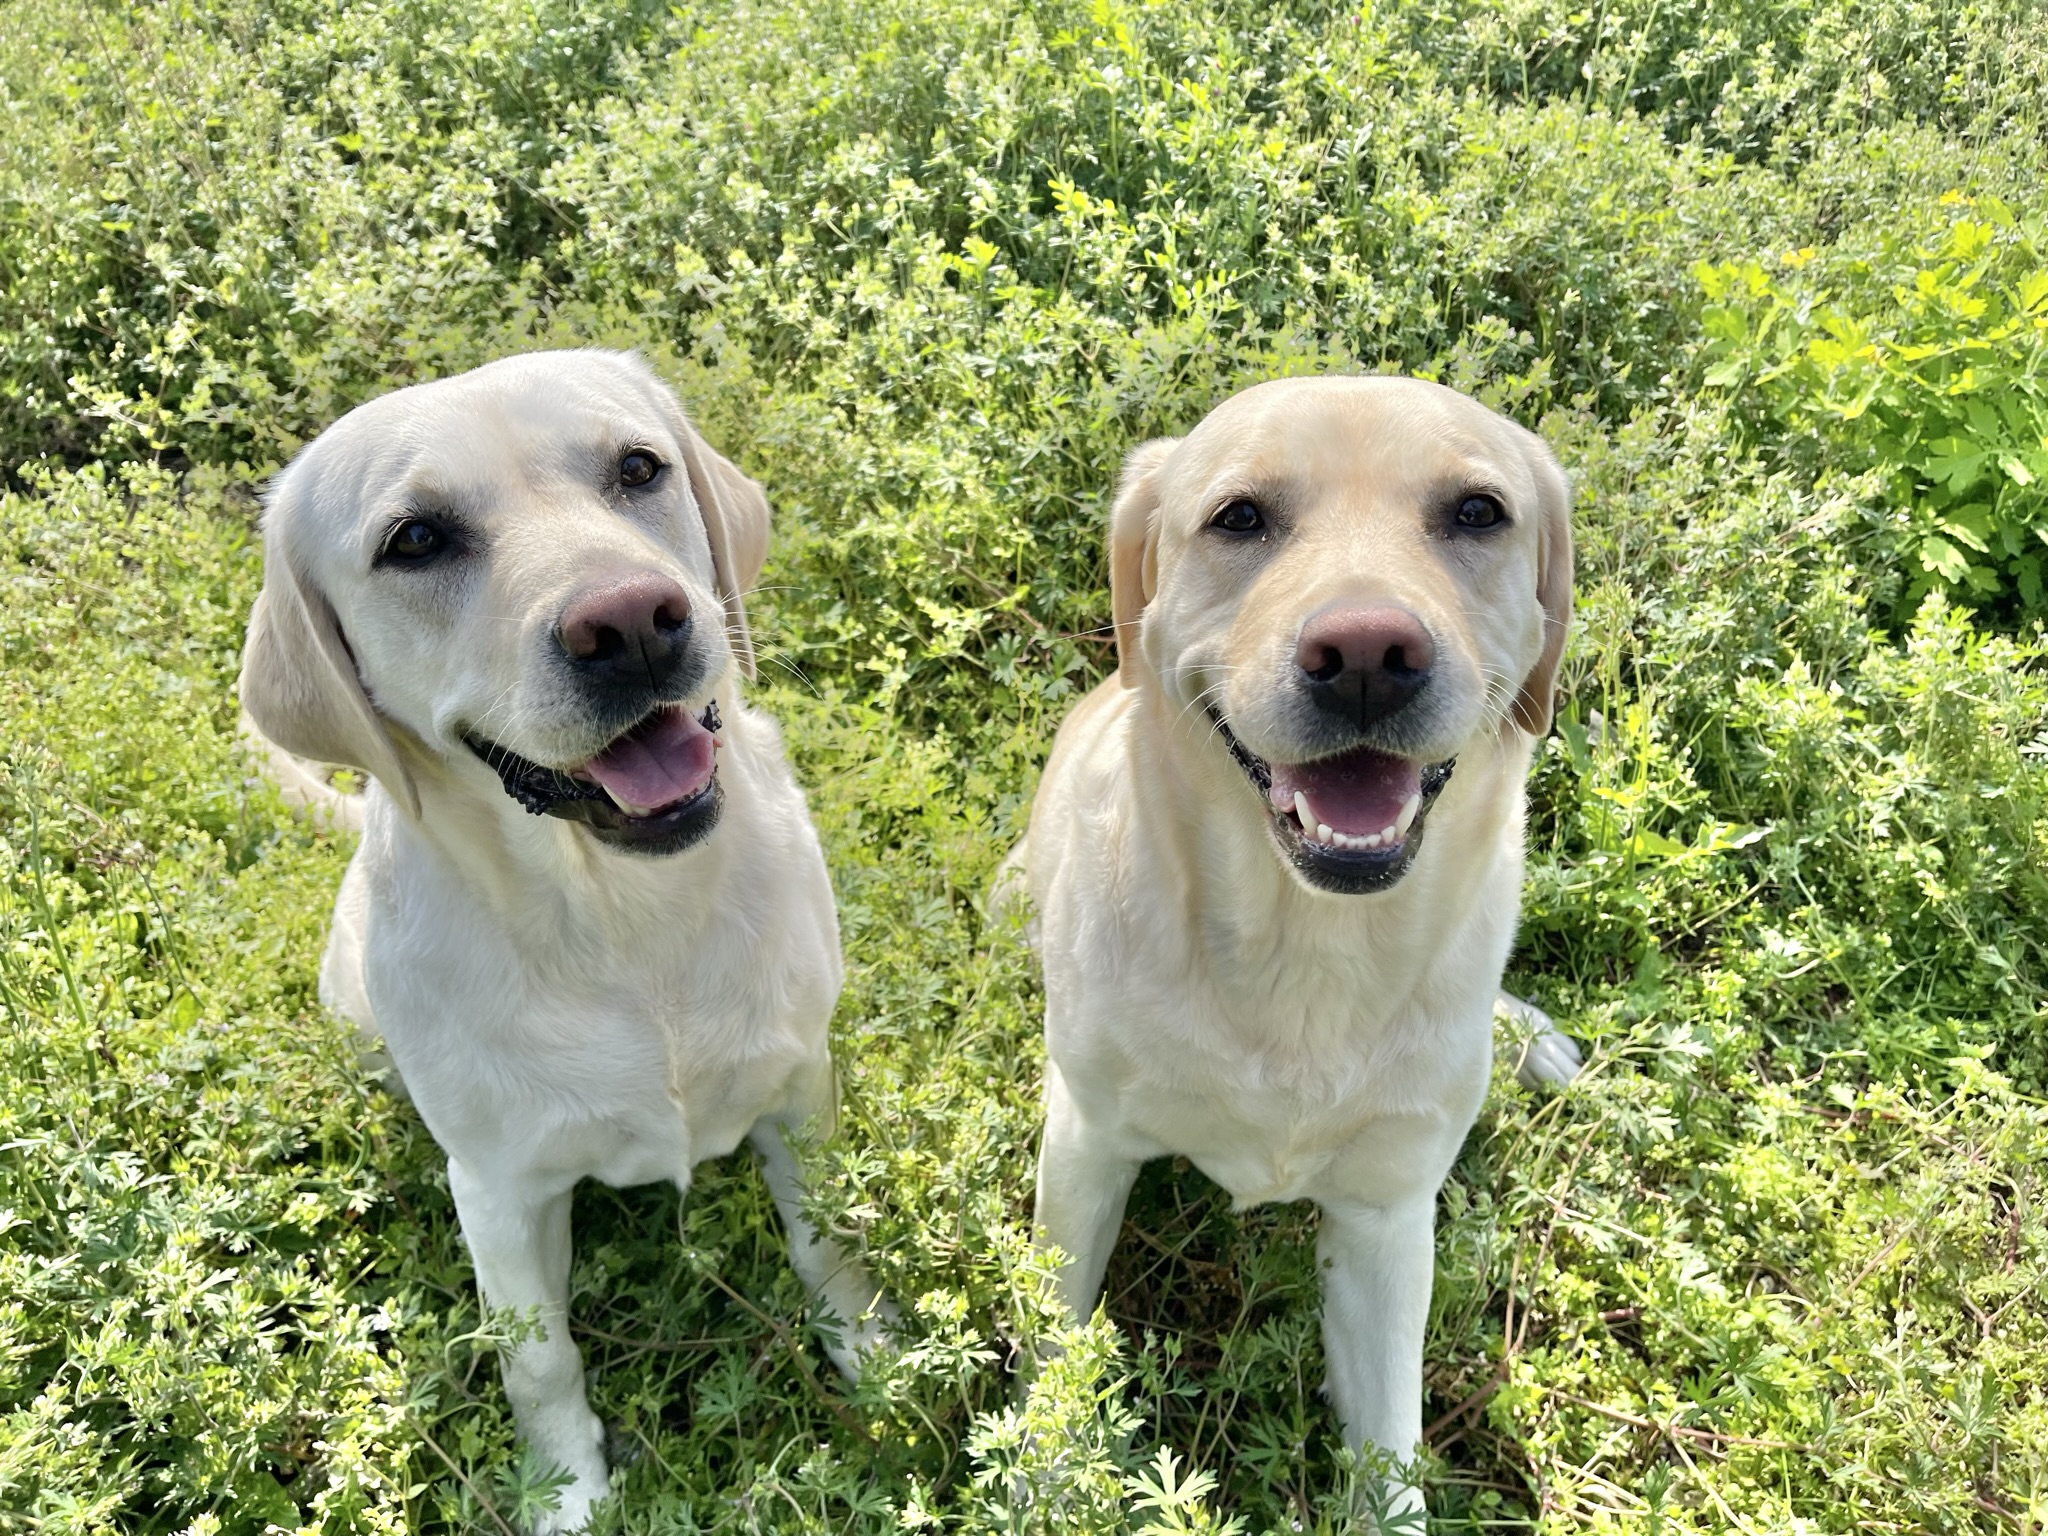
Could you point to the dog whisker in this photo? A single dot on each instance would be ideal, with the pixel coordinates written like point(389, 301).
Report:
point(795, 671)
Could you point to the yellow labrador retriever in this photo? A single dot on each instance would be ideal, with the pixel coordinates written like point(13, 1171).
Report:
point(1277, 858)
point(589, 916)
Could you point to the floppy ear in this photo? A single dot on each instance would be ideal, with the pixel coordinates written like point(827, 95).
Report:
point(300, 685)
point(1533, 706)
point(1134, 549)
point(736, 522)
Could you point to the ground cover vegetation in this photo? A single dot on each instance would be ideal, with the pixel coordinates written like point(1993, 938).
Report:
point(1770, 274)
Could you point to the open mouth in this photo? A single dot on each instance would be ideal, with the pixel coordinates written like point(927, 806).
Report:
point(653, 790)
point(1351, 822)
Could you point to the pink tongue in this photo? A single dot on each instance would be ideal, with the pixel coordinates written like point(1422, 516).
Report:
point(666, 760)
point(1359, 793)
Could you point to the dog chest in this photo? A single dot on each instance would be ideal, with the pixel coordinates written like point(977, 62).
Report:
point(1273, 1106)
point(1265, 1142)
point(628, 1064)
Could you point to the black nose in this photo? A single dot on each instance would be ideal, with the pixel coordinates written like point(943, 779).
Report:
point(628, 631)
point(1364, 663)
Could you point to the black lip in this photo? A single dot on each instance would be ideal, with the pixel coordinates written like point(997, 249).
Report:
point(544, 791)
point(1342, 871)
point(670, 830)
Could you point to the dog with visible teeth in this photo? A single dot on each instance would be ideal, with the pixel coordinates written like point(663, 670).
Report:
point(589, 916)
point(1277, 858)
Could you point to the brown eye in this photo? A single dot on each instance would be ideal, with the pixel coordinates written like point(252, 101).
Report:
point(415, 540)
point(1241, 516)
point(639, 467)
point(1480, 512)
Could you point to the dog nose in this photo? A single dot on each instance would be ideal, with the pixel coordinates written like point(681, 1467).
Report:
point(630, 630)
point(1364, 663)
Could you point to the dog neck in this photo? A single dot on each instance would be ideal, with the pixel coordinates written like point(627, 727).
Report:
point(548, 877)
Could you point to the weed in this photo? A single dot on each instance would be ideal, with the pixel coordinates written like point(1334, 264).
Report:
point(929, 268)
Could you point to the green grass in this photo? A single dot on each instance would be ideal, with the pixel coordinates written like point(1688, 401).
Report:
point(928, 267)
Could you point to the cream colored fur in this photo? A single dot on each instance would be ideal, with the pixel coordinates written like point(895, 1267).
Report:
point(557, 1009)
point(1202, 1000)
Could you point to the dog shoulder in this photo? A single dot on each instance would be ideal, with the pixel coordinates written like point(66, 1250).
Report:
point(1083, 774)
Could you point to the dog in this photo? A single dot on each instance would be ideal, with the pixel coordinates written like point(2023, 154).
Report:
point(1276, 858)
point(589, 917)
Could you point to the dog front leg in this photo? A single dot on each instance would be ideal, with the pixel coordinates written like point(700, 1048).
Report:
point(518, 1239)
point(1083, 1182)
point(1378, 1264)
point(839, 1281)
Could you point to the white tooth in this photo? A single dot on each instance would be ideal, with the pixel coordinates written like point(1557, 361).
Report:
point(1371, 840)
point(1406, 819)
point(1345, 840)
point(1301, 810)
point(626, 805)
point(1323, 835)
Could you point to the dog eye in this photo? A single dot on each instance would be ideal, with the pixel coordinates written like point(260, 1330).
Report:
point(1241, 516)
point(1481, 512)
point(415, 541)
point(638, 467)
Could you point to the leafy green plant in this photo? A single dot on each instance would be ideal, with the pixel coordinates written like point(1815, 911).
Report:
point(1940, 386)
point(928, 268)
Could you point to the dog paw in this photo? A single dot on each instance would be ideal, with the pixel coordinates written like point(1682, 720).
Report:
point(1547, 1056)
point(567, 1439)
point(571, 1517)
point(861, 1342)
point(1551, 1058)
point(576, 1501)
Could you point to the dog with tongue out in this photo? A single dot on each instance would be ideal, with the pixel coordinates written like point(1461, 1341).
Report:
point(589, 917)
point(1276, 859)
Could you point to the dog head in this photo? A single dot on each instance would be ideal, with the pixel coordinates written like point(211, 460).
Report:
point(537, 566)
point(1353, 580)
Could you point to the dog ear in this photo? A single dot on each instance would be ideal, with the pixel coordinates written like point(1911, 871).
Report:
point(1538, 698)
point(1134, 549)
point(299, 680)
point(736, 519)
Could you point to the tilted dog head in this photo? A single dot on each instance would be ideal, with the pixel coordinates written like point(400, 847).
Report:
point(1353, 579)
point(537, 565)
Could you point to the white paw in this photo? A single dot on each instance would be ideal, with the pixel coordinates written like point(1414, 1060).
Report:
point(1545, 1055)
point(1551, 1058)
point(572, 1513)
point(566, 1434)
point(1387, 1503)
point(859, 1342)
